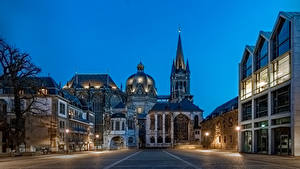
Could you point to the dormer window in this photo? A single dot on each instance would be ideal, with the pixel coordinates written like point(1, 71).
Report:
point(281, 41)
point(262, 54)
point(43, 91)
point(247, 66)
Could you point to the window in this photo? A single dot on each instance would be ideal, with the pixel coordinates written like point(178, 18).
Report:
point(261, 81)
point(230, 122)
point(152, 122)
point(246, 90)
point(117, 125)
point(43, 92)
point(281, 100)
point(247, 66)
point(159, 122)
point(284, 120)
point(247, 126)
point(262, 54)
point(62, 108)
point(196, 121)
point(281, 42)
point(152, 140)
point(246, 111)
point(61, 124)
point(224, 139)
point(168, 123)
point(123, 125)
point(261, 106)
point(230, 138)
point(261, 124)
point(139, 109)
point(281, 71)
point(112, 125)
point(159, 139)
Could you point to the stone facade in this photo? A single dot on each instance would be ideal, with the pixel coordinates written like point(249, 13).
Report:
point(218, 130)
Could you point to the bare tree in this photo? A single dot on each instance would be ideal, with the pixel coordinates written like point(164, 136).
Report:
point(18, 76)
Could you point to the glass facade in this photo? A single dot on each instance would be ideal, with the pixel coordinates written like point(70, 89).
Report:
point(281, 71)
point(247, 66)
point(281, 100)
point(262, 54)
point(247, 111)
point(261, 140)
point(247, 141)
point(282, 141)
point(281, 41)
point(246, 89)
point(262, 81)
point(261, 106)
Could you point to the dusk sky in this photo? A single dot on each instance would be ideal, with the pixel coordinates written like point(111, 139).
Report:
point(64, 37)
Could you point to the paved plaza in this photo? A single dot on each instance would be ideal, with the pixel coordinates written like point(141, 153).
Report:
point(147, 159)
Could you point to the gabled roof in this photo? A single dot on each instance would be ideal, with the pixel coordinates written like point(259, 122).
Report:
point(284, 15)
point(249, 49)
point(261, 35)
point(184, 105)
point(47, 82)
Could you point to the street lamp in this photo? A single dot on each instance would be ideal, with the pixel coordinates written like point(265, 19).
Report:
point(67, 140)
point(238, 128)
point(97, 136)
point(206, 133)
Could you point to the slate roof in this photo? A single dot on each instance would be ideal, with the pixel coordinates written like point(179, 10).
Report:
point(81, 80)
point(184, 105)
point(226, 107)
point(47, 82)
point(73, 99)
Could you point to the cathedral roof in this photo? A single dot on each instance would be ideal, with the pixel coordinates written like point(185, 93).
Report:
point(91, 80)
point(184, 105)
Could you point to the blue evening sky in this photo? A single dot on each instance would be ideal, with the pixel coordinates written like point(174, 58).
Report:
point(68, 36)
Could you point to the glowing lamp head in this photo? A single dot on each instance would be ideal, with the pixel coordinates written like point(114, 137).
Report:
point(238, 128)
point(97, 136)
point(206, 134)
point(67, 130)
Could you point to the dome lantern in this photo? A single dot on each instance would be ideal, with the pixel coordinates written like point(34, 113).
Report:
point(140, 67)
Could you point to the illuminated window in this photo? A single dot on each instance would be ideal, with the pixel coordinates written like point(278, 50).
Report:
point(281, 71)
point(261, 81)
point(246, 89)
point(139, 109)
point(43, 91)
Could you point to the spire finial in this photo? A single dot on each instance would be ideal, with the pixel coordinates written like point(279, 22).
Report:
point(179, 29)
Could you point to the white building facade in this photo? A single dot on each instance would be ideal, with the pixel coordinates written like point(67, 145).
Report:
point(269, 90)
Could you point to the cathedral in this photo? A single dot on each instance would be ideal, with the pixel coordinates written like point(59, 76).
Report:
point(138, 117)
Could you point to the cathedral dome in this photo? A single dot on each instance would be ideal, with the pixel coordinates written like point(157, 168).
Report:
point(140, 83)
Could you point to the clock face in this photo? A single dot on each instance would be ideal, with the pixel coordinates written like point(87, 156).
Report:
point(114, 100)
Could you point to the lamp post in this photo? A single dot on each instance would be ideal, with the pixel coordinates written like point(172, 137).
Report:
point(206, 135)
point(67, 140)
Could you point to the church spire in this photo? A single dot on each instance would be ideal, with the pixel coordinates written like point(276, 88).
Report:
point(187, 66)
point(173, 67)
point(179, 54)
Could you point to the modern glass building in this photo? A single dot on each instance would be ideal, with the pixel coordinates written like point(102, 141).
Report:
point(269, 90)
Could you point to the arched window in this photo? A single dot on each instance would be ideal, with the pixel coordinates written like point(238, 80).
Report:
point(152, 122)
point(196, 121)
point(123, 125)
point(152, 140)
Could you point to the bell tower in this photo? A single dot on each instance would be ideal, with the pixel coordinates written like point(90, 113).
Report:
point(180, 76)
